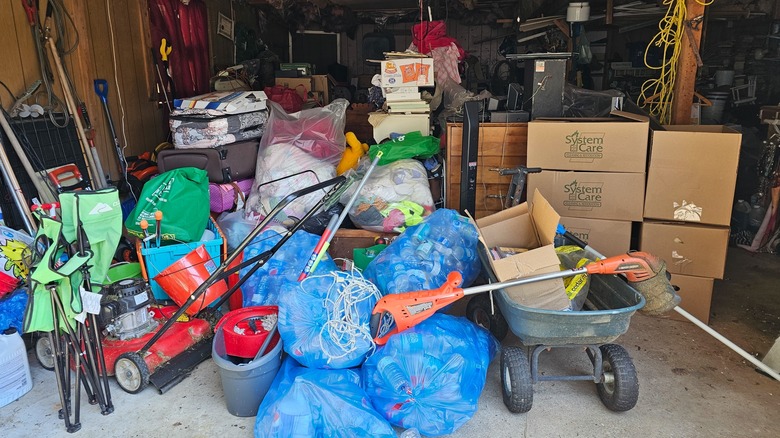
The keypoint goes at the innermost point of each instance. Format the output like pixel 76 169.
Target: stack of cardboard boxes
pixel 593 175
pixel 691 178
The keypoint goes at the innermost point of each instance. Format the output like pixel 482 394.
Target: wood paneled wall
pixel 480 41
pixel 113 45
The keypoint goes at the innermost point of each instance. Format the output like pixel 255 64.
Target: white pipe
pixel 762 366
pixel 44 191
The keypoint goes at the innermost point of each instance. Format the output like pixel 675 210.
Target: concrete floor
pixel 690 384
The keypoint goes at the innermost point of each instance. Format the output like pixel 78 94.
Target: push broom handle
pixel 725 341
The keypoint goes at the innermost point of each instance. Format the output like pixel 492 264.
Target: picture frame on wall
pixel 225 26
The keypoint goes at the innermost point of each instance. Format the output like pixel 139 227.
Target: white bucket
pixel 15 380
pixel 724 78
pixel 713 115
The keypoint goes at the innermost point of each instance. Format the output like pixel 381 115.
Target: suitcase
pixel 190 131
pixel 224 164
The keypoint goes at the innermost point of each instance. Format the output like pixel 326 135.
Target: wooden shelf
pixel 501 145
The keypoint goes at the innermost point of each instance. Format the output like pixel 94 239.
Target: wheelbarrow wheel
pixel 619 386
pixel 132 373
pixel 479 311
pixel 44 351
pixel 516 380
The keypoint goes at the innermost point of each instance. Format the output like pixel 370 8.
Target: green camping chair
pixel 66 258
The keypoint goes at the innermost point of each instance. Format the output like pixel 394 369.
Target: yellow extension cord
pixel 657 93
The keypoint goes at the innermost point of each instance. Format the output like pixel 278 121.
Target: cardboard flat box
pixel 605 236
pixel 295 83
pixel 594 195
pixel 689 249
pixel 407 72
pixel 692 174
pixel 384 124
pixel 534 229
pixel 696 297
pixel 612 144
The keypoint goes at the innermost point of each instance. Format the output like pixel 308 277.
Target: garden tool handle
pixel 101 89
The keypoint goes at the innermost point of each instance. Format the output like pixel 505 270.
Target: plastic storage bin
pixel 155 260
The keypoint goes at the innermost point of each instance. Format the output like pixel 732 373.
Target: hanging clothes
pixel 430 38
pixel 185 29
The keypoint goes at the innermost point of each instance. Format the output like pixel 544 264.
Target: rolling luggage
pixel 224 164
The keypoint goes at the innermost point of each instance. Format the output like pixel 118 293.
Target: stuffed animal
pixel 352 154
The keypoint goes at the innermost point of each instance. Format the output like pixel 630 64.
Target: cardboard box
pixel 595 195
pixel 692 174
pixel 407 72
pixel 688 249
pixel 613 144
pixel 607 237
pixel 533 228
pixel 294 84
pixel 320 83
pixel 696 295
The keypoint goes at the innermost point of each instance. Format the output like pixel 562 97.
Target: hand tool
pixel 145 228
pixel 165 50
pixel 162 82
pixel 395 313
pixel 101 89
pixel 322 245
pixel 158 215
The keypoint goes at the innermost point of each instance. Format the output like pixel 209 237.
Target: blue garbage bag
pixel 305 403
pixel 430 376
pixel 423 256
pixel 12 309
pixel 283 268
pixel 324 320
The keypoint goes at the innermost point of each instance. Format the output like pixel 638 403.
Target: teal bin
pixel 155 260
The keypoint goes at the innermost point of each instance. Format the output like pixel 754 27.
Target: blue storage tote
pixel 155 260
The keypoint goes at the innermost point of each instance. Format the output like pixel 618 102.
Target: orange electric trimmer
pixel 395 313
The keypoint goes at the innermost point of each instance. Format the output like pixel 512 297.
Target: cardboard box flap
pixel 514 229
pixel 533 262
pixel 545 218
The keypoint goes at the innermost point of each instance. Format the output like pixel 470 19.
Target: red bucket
pixel 185 275
pixel 243 330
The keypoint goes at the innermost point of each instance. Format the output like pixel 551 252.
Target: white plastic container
pixel 15 380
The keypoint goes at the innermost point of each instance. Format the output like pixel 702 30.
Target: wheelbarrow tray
pixel 611 303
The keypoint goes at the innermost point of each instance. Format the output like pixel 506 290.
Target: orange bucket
pixel 185 275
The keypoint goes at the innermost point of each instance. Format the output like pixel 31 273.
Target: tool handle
pixel 101 89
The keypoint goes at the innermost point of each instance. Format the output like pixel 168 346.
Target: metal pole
pixel 13 185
